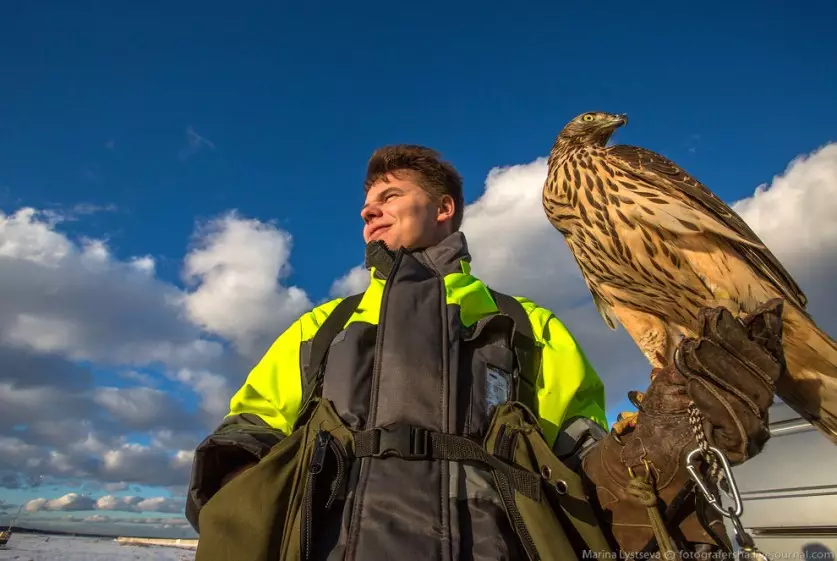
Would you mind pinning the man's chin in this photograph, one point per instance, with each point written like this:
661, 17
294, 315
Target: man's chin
388, 241
392, 246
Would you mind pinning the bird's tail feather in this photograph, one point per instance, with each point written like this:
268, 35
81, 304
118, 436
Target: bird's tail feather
810, 387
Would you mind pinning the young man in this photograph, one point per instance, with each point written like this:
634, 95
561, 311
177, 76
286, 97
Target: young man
420, 371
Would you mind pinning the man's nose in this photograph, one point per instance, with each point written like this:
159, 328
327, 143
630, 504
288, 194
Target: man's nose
369, 212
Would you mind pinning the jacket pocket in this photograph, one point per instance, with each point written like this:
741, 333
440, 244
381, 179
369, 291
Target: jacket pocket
559, 522
232, 446
245, 519
259, 515
488, 359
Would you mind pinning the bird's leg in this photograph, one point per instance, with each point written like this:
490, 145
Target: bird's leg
651, 335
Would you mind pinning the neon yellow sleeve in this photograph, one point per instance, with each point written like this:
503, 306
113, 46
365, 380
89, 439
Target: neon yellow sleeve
273, 388
568, 385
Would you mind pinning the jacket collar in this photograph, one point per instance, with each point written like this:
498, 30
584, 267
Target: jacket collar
446, 257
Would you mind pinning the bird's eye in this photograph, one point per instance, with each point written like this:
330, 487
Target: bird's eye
588, 117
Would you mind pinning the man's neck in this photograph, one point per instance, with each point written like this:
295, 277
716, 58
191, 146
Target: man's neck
444, 256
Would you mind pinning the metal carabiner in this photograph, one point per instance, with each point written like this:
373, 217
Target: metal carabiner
733, 489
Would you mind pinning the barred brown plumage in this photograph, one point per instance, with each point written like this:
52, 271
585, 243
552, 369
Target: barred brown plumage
654, 245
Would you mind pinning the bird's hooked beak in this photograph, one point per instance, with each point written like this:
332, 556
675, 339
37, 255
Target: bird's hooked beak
619, 120
609, 126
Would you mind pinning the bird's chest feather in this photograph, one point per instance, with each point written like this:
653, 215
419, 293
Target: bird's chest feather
589, 201
581, 201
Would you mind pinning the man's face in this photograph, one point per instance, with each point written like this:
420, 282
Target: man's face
402, 214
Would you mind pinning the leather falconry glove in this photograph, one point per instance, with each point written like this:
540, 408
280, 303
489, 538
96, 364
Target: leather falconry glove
729, 373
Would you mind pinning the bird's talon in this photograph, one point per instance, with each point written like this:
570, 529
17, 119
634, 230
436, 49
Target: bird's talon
636, 398
624, 421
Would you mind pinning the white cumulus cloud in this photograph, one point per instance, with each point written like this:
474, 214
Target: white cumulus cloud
356, 280
237, 266
796, 217
76, 300
70, 501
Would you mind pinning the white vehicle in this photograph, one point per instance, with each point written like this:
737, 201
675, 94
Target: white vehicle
789, 491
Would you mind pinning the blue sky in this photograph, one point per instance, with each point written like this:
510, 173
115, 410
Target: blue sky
294, 98
165, 115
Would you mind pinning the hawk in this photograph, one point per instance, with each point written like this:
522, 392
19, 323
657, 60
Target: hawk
654, 246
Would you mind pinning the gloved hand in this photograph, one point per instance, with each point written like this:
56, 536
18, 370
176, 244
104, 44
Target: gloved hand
729, 372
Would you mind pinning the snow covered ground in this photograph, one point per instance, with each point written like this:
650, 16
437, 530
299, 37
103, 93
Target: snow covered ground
38, 547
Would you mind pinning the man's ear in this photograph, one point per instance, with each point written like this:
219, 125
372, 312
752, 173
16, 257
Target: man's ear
447, 208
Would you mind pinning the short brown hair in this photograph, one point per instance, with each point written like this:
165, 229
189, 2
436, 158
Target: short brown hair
432, 174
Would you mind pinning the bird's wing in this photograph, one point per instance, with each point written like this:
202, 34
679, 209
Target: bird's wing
690, 207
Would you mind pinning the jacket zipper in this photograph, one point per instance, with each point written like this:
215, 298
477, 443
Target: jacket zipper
515, 374
360, 487
340, 478
444, 466
314, 469
323, 443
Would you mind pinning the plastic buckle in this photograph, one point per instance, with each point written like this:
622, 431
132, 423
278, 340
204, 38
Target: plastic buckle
407, 442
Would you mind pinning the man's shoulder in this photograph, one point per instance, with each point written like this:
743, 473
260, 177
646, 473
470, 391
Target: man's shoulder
310, 321
362, 310
546, 324
538, 315
306, 325
532, 307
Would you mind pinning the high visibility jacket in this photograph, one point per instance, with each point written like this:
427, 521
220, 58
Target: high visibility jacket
423, 348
